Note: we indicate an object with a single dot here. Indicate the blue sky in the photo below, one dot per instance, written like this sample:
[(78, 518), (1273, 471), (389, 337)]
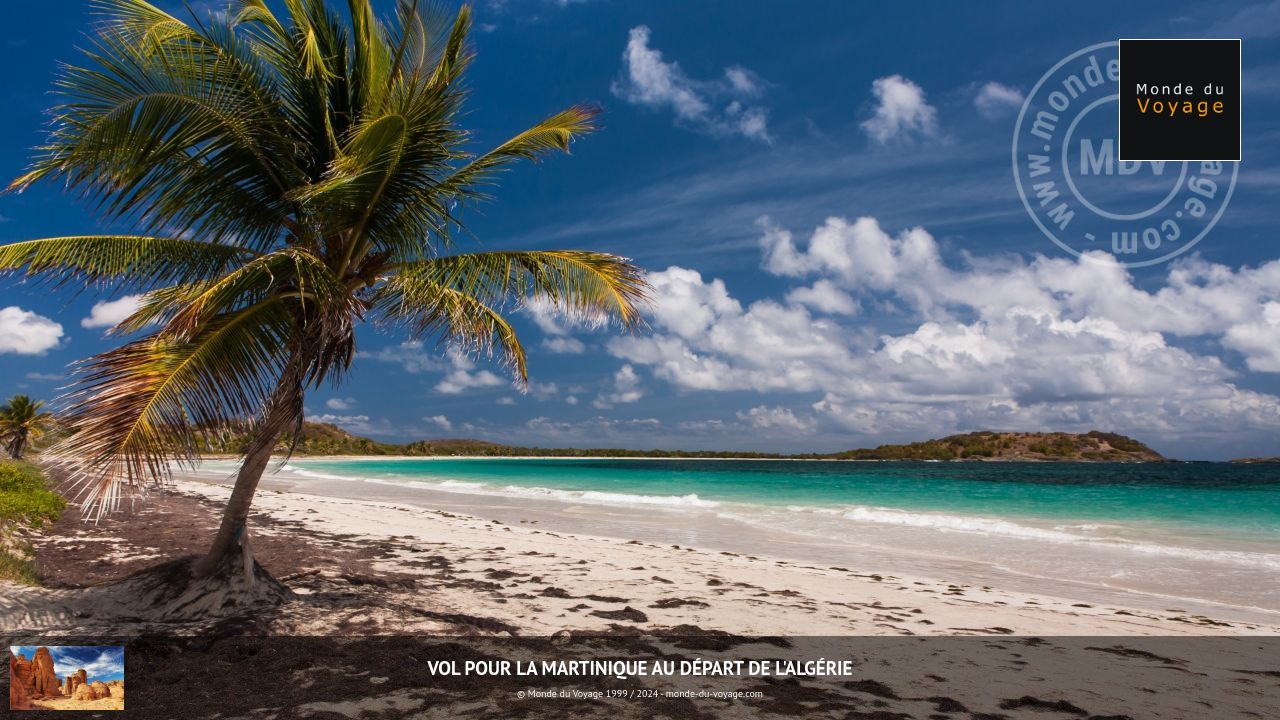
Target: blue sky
[(101, 663), (823, 196)]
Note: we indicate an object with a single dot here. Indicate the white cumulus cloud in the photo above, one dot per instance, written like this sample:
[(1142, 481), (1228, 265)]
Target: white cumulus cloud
[(464, 376), (354, 423), (995, 101), (45, 377), (995, 342), (110, 313), (626, 389), (901, 111), (460, 371), (1258, 339), (23, 332), (720, 106), (440, 421), (824, 296), (564, 346), (554, 322), (775, 418), (412, 355)]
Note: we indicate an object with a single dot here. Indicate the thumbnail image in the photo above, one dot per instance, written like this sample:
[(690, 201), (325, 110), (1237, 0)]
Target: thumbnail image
[(66, 677)]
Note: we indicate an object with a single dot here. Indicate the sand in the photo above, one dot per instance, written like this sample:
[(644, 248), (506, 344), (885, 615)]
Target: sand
[(528, 580), (540, 581), (379, 587), (66, 703)]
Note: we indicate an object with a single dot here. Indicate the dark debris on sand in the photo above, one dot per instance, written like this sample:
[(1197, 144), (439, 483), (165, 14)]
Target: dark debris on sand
[(236, 667)]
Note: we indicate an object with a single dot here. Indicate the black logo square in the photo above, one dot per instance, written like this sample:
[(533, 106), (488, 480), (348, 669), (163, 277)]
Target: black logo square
[(1179, 100)]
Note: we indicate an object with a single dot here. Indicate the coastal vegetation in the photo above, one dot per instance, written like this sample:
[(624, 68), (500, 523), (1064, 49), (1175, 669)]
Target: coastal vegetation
[(26, 505), (1095, 446), (1090, 446), (280, 179), (328, 439)]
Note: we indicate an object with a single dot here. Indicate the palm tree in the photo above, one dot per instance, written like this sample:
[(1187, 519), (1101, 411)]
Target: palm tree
[(21, 422), (283, 180)]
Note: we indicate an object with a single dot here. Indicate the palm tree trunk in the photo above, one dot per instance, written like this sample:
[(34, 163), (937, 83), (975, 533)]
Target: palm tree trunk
[(19, 444), (281, 412)]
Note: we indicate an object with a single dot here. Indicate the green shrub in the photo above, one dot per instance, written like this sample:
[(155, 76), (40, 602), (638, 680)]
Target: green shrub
[(25, 504), (25, 501)]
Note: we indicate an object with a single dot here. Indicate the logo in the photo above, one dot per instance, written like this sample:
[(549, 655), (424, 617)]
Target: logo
[(66, 677), (1180, 100), (1080, 194)]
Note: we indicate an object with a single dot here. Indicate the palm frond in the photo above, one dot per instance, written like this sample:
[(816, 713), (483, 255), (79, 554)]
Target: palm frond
[(555, 133), (455, 56), (372, 59), (174, 129), (460, 297), (289, 272), (582, 284), (455, 319), (143, 405), (125, 261), (141, 22)]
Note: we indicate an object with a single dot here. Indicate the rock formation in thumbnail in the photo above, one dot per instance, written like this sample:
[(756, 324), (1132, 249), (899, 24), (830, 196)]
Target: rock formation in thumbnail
[(44, 679), (20, 669), (34, 685), (19, 699)]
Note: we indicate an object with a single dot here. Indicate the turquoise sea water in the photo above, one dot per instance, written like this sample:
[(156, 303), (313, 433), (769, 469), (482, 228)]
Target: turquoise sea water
[(1238, 502), (1173, 533)]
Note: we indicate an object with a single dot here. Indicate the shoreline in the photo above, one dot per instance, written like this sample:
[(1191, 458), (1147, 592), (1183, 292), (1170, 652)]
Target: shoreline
[(1057, 607), (373, 564), (1034, 461), (1148, 563)]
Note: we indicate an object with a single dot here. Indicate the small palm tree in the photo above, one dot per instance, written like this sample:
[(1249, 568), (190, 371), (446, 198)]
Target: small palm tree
[(285, 179), (21, 423)]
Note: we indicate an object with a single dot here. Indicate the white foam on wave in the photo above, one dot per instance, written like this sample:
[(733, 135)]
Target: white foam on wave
[(460, 485), (593, 497), (1088, 533), (295, 470), (957, 523), (610, 498), (977, 525)]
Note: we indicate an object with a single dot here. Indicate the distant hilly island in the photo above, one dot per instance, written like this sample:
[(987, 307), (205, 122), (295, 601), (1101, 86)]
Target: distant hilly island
[(319, 439)]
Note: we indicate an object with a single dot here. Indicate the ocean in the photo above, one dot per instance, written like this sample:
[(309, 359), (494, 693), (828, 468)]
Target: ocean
[(1204, 531)]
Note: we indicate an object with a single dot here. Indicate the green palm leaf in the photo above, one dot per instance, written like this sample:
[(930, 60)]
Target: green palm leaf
[(554, 133), (278, 172), (460, 297), (457, 319), (126, 261), (576, 282), (144, 404), (290, 272)]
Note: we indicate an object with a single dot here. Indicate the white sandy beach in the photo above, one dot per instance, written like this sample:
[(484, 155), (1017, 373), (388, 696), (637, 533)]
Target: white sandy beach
[(542, 579), (531, 567), (393, 579)]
